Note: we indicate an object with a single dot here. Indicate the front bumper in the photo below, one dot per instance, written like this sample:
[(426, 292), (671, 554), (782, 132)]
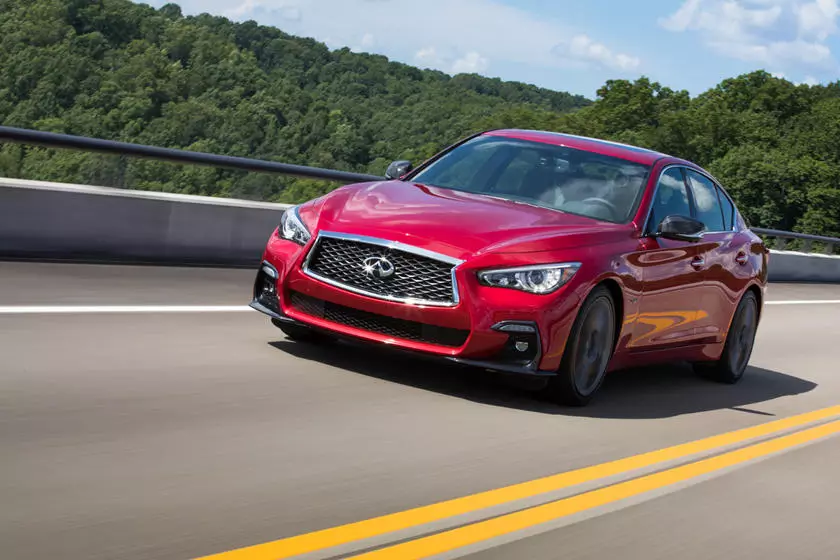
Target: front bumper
[(490, 328)]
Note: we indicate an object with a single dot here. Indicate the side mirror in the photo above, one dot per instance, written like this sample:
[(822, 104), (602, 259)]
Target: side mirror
[(397, 169), (681, 228)]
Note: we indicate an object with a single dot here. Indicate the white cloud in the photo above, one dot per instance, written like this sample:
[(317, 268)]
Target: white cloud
[(284, 9), (583, 49), (367, 43), (788, 34), (683, 17), (427, 57), (818, 19), (471, 63), (779, 53), (431, 57), (244, 8), (809, 80), (452, 36)]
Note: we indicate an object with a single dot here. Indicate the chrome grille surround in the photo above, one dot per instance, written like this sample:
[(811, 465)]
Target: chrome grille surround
[(385, 246)]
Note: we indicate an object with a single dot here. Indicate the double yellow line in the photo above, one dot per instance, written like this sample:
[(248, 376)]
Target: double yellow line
[(480, 531)]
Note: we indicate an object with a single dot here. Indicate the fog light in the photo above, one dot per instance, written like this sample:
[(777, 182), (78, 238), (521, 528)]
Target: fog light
[(268, 287), (521, 346)]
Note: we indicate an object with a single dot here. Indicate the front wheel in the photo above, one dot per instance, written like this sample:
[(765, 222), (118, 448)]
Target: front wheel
[(738, 347), (587, 353)]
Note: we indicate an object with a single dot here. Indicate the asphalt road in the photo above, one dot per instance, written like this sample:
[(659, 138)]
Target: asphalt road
[(138, 435)]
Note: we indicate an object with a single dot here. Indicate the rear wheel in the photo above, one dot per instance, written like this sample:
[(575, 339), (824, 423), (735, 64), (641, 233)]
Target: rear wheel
[(738, 347), (299, 333), (588, 352)]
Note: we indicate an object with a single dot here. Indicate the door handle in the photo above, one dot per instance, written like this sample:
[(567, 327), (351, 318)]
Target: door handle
[(698, 262), (741, 258)]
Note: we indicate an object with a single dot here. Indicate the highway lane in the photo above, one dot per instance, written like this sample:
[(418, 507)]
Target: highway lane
[(145, 435), (784, 507)]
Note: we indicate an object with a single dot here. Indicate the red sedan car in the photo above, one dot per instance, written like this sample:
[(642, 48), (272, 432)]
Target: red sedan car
[(529, 252)]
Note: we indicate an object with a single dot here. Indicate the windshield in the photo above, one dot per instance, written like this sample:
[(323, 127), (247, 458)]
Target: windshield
[(557, 177)]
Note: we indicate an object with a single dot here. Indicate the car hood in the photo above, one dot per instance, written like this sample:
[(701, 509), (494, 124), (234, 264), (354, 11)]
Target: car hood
[(454, 223)]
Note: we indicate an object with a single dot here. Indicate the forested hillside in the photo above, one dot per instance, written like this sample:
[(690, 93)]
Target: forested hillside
[(124, 71)]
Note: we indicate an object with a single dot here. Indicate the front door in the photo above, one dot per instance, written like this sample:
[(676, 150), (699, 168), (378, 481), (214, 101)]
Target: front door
[(671, 272)]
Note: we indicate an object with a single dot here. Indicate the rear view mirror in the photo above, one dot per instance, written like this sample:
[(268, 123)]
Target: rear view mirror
[(681, 228), (397, 169)]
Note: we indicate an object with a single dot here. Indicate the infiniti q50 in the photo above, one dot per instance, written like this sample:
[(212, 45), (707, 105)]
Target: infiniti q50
[(528, 252)]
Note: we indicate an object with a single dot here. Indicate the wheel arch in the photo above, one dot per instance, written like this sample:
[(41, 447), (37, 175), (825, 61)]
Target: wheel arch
[(753, 288), (759, 296), (614, 287)]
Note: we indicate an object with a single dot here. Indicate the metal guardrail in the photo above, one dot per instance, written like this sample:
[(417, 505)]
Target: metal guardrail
[(781, 240), (56, 140)]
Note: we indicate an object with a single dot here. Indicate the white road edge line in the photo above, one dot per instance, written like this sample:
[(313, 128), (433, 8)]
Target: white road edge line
[(803, 302), (35, 309)]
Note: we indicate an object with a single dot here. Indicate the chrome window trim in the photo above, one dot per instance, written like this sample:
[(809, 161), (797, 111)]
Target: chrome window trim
[(388, 244), (646, 233)]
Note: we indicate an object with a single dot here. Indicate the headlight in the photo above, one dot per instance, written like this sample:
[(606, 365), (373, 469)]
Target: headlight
[(292, 227), (538, 279)]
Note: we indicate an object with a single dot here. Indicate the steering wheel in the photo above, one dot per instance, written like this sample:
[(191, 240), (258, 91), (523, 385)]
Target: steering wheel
[(610, 206)]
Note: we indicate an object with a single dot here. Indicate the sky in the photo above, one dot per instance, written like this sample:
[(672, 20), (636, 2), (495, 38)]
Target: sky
[(566, 45)]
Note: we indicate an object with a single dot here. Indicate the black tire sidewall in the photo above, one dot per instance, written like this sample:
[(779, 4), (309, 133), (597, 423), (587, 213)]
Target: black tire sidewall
[(563, 387), (726, 370)]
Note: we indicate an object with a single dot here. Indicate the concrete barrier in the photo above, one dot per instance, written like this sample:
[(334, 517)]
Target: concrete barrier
[(40, 220), (792, 266), (57, 221)]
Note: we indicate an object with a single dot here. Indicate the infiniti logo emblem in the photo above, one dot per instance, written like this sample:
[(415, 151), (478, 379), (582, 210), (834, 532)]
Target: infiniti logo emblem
[(378, 267)]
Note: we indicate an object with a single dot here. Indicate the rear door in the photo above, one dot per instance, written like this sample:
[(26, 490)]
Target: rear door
[(671, 282), (723, 254)]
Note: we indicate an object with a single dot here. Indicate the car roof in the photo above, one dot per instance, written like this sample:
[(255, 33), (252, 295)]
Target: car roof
[(596, 145)]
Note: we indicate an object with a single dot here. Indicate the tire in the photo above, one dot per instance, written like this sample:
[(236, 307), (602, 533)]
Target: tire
[(299, 333), (587, 353), (739, 344)]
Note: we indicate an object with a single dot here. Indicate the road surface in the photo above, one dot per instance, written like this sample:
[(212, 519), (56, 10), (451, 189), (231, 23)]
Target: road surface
[(155, 431)]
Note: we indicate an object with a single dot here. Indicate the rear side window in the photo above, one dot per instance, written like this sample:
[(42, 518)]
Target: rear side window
[(671, 198), (728, 210), (706, 201)]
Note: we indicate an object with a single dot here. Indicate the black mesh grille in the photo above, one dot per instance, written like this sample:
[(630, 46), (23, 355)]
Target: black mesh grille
[(415, 277), (372, 322)]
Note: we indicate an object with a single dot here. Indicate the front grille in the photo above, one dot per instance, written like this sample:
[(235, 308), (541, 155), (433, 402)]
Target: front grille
[(415, 277), (380, 324)]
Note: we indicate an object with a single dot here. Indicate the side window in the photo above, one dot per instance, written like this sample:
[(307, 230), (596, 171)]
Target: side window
[(706, 201), (728, 210), (671, 198)]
